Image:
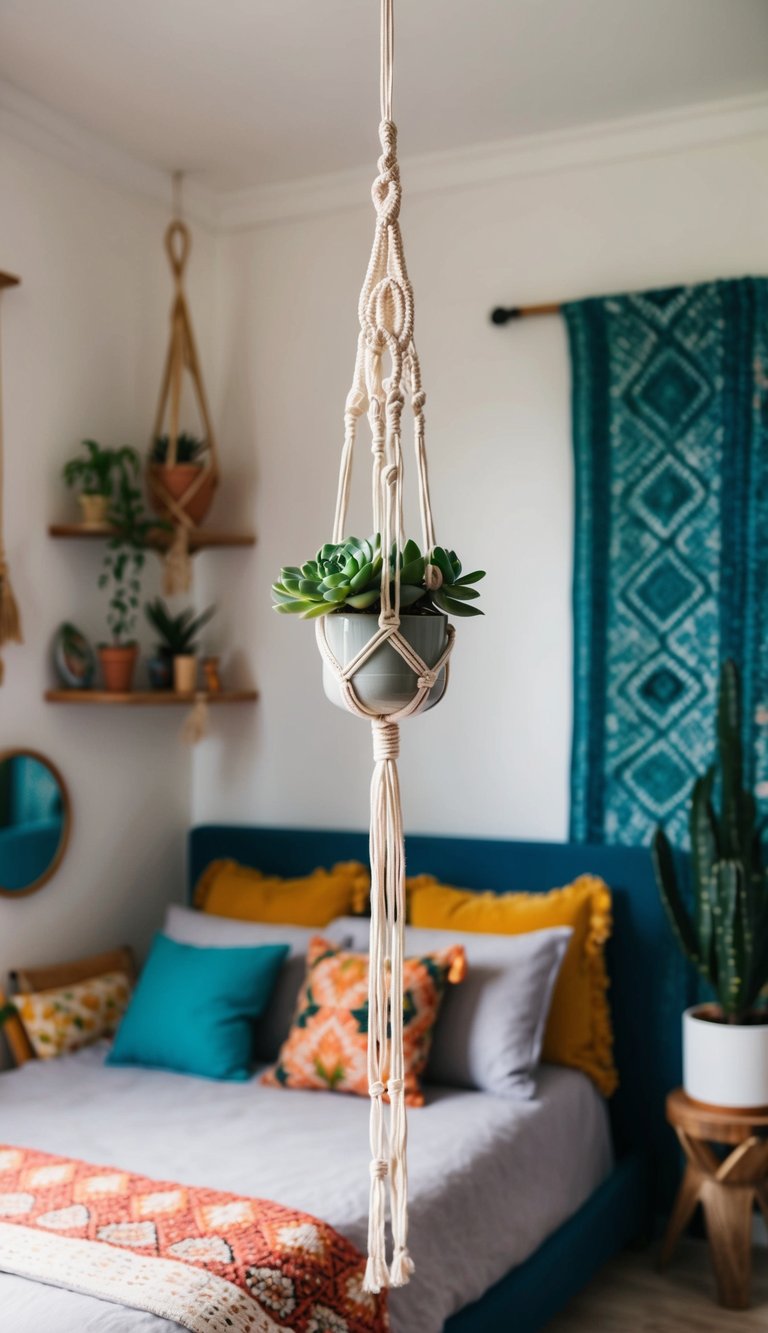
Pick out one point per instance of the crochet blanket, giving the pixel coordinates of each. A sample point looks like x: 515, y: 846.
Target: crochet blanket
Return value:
x: 212, y: 1262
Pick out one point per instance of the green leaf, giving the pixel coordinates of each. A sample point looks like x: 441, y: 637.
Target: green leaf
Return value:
x: 454, y: 608
x: 411, y: 553
x: 677, y: 912
x: 362, y: 600
x: 474, y: 577
x: 362, y: 578
x: 318, y: 609
x: 293, y: 608
x: 335, y: 595
x: 463, y: 594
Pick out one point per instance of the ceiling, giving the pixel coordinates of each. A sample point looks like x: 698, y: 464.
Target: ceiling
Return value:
x: 241, y: 93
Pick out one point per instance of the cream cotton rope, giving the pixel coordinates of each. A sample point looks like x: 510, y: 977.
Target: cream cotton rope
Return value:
x: 386, y: 328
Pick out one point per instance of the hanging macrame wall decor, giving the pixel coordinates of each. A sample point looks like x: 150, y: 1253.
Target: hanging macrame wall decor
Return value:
x: 10, y: 621
x: 182, y: 473
x: 381, y: 664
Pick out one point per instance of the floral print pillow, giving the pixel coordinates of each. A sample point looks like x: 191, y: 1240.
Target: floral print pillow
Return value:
x: 327, y: 1045
x: 69, y: 1017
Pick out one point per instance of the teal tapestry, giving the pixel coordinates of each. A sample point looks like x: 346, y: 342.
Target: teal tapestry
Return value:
x: 670, y: 434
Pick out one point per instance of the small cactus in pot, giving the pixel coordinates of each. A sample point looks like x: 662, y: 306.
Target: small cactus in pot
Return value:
x: 726, y: 934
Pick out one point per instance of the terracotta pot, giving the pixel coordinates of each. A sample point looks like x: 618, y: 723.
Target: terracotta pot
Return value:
x: 176, y: 480
x: 185, y: 674
x: 95, y: 509
x: 118, y: 663
x: 385, y: 682
x: 725, y: 1064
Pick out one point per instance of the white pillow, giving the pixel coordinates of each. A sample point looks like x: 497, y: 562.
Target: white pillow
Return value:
x: 188, y: 926
x: 490, y: 1028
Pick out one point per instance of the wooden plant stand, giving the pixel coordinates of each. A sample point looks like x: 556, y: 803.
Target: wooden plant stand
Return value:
x: 726, y: 1187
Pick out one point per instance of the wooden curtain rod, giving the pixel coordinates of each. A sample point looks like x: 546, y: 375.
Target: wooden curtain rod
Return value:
x: 503, y: 314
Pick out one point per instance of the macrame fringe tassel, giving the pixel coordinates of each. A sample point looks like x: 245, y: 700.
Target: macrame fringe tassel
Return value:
x: 177, y: 568
x: 385, y: 1018
x: 196, y: 724
x: 10, y: 620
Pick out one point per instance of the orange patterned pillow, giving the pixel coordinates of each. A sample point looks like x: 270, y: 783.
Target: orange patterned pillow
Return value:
x: 327, y: 1045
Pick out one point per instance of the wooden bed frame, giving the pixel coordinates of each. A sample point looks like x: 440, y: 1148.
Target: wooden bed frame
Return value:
x: 650, y: 987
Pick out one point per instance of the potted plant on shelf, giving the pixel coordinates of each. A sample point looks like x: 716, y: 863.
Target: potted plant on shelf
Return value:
x: 725, y: 1043
x: 122, y: 572
x: 94, y: 475
x: 176, y: 655
x: 176, y: 465
x: 343, y: 582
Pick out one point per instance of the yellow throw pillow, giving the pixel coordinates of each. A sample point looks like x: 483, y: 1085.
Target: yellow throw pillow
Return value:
x: 69, y: 1017
x: 578, y: 1032
x: 227, y: 888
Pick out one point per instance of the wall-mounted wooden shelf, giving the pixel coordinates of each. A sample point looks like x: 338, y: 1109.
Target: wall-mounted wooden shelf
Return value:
x: 200, y: 539
x: 149, y: 698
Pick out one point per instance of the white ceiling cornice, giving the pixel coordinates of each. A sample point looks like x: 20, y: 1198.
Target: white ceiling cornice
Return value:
x: 38, y: 126
x: 661, y: 133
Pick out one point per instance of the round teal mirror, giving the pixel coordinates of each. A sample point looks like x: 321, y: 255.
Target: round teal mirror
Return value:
x: 35, y: 820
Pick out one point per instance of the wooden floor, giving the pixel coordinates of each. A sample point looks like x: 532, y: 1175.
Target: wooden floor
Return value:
x: 631, y: 1296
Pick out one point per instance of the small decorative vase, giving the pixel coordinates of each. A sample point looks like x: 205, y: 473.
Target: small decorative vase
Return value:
x: 185, y: 674
x: 725, y: 1064
x: 118, y: 663
x: 211, y: 674
x: 385, y: 682
x: 176, y: 481
x: 95, y: 509
x: 160, y: 671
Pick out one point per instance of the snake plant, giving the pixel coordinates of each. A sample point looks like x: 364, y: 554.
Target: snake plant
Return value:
x: 347, y: 577
x: 726, y: 936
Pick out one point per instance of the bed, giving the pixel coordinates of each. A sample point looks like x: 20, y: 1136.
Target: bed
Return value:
x: 507, y: 1219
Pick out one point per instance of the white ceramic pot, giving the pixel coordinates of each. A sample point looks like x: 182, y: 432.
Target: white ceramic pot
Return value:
x: 385, y: 682
x: 725, y: 1064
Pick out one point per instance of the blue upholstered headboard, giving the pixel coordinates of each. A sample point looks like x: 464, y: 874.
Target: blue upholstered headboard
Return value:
x: 650, y: 984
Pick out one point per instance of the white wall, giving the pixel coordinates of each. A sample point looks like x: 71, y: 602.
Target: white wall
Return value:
x: 493, y: 758
x: 83, y: 339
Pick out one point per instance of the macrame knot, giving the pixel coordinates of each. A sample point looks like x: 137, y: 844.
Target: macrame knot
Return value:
x: 433, y: 578
x: 426, y: 681
x: 395, y: 1085
x: 418, y: 399
x: 379, y: 1168
x: 388, y: 141
x: 391, y: 475
x: 386, y: 740
x: 376, y: 1089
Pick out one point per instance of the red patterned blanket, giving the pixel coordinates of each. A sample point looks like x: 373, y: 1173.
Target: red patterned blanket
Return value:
x: 213, y: 1262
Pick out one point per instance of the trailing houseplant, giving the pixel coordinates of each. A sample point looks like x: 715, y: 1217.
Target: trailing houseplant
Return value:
x: 177, y: 649
x: 343, y: 582
x: 176, y: 464
x: 94, y: 473
x: 122, y: 573
x: 725, y: 936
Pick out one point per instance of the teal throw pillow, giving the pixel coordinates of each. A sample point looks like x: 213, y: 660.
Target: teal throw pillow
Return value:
x: 193, y: 1009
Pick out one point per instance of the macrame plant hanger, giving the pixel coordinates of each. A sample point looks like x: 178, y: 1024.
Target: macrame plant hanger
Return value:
x: 10, y: 621
x: 181, y: 356
x: 386, y: 332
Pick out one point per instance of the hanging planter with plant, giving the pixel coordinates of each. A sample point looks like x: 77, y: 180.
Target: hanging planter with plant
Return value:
x: 381, y: 608
x: 94, y: 475
x: 725, y: 1043
x: 182, y: 470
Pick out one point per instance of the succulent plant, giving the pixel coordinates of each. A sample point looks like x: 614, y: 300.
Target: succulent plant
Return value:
x: 177, y: 633
x: 347, y: 577
x: 726, y: 937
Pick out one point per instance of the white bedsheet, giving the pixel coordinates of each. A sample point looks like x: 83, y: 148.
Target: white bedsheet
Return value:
x: 489, y: 1178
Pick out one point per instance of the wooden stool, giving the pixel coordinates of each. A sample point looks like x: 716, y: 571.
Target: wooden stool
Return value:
x: 726, y: 1188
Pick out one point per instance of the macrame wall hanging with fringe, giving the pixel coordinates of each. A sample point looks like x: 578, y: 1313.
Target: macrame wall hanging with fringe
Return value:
x: 355, y: 591
x: 181, y: 488
x: 10, y: 620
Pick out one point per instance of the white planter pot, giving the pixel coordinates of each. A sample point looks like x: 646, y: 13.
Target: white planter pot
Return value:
x: 725, y: 1064
x: 385, y: 682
